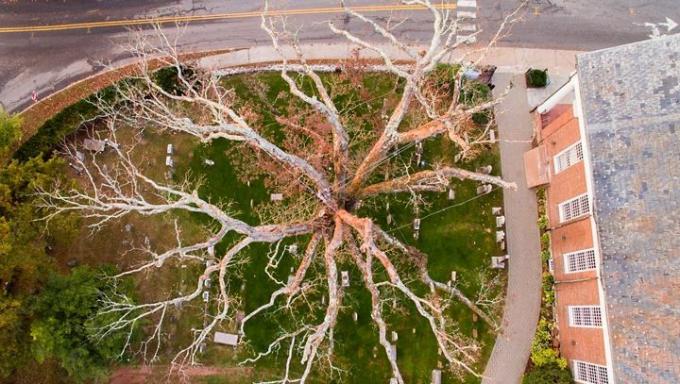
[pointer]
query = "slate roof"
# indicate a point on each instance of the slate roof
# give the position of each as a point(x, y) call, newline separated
point(631, 101)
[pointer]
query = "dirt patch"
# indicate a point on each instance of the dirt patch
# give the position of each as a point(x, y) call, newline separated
point(162, 374)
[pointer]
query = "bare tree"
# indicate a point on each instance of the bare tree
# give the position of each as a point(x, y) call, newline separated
point(340, 167)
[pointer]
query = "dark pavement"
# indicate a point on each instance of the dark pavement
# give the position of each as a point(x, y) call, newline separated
point(48, 61)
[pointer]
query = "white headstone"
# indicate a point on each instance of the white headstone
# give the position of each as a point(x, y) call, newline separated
point(226, 338)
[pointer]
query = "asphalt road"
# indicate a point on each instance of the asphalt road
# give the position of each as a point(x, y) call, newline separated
point(48, 61)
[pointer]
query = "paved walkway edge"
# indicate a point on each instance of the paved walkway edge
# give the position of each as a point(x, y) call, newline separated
point(512, 60)
point(523, 297)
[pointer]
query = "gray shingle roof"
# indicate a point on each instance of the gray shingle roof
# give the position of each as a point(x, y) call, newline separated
point(631, 101)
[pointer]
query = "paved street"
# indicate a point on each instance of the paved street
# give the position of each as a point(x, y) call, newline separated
point(48, 61)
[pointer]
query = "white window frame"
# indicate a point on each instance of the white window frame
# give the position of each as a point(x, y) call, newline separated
point(580, 203)
point(584, 260)
point(589, 373)
point(571, 155)
point(585, 316)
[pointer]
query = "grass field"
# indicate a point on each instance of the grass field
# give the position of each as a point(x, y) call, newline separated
point(458, 235)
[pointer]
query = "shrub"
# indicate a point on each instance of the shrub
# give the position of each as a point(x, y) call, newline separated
point(536, 78)
point(548, 292)
point(550, 373)
point(542, 352)
point(68, 322)
point(545, 241)
point(10, 133)
point(543, 223)
point(167, 78)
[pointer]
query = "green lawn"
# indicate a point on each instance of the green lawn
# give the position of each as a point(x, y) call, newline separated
point(458, 235)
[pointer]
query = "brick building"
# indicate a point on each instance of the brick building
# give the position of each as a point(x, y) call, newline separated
point(608, 154)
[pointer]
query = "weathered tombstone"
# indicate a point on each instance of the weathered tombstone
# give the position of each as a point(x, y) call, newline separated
point(395, 336)
point(276, 197)
point(452, 194)
point(206, 296)
point(355, 316)
point(345, 278)
point(485, 169)
point(416, 228)
point(293, 248)
point(436, 376)
point(484, 189)
point(170, 150)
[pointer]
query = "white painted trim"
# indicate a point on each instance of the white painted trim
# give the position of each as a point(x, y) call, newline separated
point(555, 98)
point(574, 365)
point(562, 152)
point(566, 255)
point(578, 112)
point(570, 311)
point(570, 200)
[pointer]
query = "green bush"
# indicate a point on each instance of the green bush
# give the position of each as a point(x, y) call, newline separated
point(10, 133)
point(550, 373)
point(542, 352)
point(545, 241)
point(537, 78)
point(167, 78)
point(543, 223)
point(68, 323)
point(548, 292)
point(481, 118)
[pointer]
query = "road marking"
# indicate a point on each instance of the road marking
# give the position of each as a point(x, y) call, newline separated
point(466, 15)
point(467, 4)
point(467, 27)
point(466, 39)
point(222, 16)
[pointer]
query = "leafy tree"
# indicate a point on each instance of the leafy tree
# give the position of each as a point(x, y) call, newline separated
point(10, 133)
point(548, 374)
point(67, 323)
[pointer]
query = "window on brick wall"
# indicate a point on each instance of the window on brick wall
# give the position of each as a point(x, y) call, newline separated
point(585, 316)
point(568, 157)
point(573, 208)
point(583, 260)
point(590, 373)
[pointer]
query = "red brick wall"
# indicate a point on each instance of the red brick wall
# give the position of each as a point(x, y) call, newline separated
point(580, 288)
point(586, 344)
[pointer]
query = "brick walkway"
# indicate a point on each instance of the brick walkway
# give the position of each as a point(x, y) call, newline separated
point(523, 300)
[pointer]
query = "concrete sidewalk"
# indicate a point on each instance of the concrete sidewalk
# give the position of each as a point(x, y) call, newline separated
point(17, 98)
point(523, 297)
